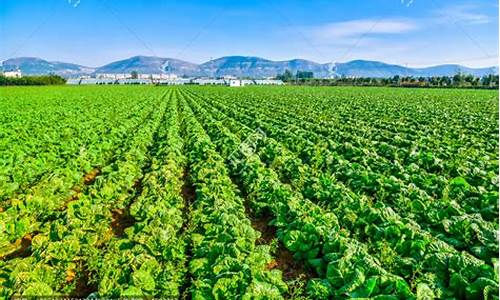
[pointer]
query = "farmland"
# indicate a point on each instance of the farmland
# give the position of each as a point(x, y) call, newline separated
point(249, 193)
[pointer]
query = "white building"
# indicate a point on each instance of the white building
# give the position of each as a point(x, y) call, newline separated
point(179, 81)
point(87, 81)
point(13, 74)
point(201, 81)
point(164, 76)
point(247, 82)
point(268, 82)
point(118, 76)
point(134, 81)
point(112, 76)
point(235, 83)
point(241, 82)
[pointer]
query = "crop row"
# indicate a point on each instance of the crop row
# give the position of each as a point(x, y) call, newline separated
point(225, 261)
point(63, 254)
point(43, 202)
point(312, 234)
point(414, 257)
point(449, 222)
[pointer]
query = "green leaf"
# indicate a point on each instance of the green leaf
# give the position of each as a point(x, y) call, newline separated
point(143, 280)
point(424, 292)
point(319, 289)
point(38, 289)
point(132, 291)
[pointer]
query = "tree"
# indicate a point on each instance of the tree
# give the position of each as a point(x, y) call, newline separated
point(304, 75)
point(458, 79)
point(134, 75)
point(396, 80)
point(287, 76)
point(469, 79)
point(32, 80)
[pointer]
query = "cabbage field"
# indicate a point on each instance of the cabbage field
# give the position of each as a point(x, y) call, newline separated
point(249, 193)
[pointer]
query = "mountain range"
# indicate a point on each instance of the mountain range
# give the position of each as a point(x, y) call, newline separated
point(240, 66)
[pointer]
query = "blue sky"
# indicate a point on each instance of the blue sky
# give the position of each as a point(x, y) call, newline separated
point(95, 32)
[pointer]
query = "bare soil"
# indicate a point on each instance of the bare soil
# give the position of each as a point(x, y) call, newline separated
point(90, 177)
point(121, 220)
point(23, 248)
point(83, 287)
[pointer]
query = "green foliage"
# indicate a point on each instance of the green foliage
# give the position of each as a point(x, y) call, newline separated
point(163, 192)
point(32, 80)
point(346, 174)
point(304, 75)
point(288, 76)
point(457, 81)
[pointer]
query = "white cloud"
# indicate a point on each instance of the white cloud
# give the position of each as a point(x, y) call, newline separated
point(465, 14)
point(424, 39)
point(363, 27)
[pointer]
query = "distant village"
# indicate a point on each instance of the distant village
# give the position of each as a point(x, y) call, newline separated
point(168, 79)
point(157, 79)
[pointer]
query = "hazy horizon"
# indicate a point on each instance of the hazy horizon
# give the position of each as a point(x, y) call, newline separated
point(237, 55)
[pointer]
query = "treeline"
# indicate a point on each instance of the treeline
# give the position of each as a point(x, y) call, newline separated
point(288, 76)
point(32, 80)
point(456, 81)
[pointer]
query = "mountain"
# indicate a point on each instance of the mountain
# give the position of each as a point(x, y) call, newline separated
point(149, 65)
point(366, 68)
point(454, 69)
point(240, 66)
point(37, 66)
point(249, 66)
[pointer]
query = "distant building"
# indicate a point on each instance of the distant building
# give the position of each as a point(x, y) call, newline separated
point(119, 76)
point(268, 82)
point(87, 81)
point(201, 81)
point(178, 81)
point(247, 82)
point(235, 83)
point(112, 76)
point(13, 74)
point(134, 81)
point(160, 76)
